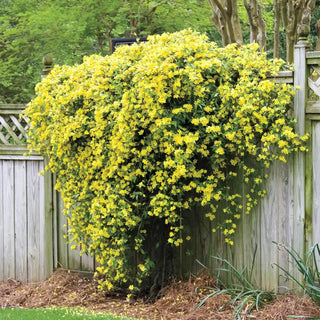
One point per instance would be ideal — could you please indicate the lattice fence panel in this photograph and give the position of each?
(13, 129)
(314, 83)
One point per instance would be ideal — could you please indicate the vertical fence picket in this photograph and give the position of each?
(316, 183)
(285, 218)
(33, 222)
(8, 220)
(269, 228)
(2, 236)
(62, 235)
(46, 223)
(20, 213)
(74, 258)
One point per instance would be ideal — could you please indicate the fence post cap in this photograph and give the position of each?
(303, 34)
(47, 61)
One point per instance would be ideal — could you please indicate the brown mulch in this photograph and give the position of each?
(178, 301)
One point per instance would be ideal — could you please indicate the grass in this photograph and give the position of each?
(55, 314)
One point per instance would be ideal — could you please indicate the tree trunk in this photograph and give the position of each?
(230, 21)
(251, 8)
(217, 21)
(100, 41)
(108, 33)
(225, 17)
(290, 49)
(276, 29)
(294, 14)
(236, 22)
(257, 23)
(318, 35)
(262, 35)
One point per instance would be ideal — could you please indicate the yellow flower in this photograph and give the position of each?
(220, 150)
(142, 267)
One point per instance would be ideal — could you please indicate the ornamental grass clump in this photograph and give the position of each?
(245, 295)
(141, 137)
(308, 270)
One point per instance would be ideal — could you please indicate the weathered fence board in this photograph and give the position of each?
(68, 258)
(8, 212)
(286, 216)
(23, 242)
(20, 205)
(34, 224)
(269, 213)
(2, 239)
(316, 182)
(62, 253)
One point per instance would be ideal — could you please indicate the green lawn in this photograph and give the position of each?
(55, 314)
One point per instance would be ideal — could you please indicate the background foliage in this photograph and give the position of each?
(141, 137)
(70, 30)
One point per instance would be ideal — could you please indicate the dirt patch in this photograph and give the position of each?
(178, 301)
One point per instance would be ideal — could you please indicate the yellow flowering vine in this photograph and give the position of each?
(140, 138)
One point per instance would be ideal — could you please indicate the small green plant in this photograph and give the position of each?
(244, 294)
(309, 269)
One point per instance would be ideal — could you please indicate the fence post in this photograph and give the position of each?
(48, 64)
(301, 89)
(50, 221)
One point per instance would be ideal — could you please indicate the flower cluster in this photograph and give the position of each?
(153, 131)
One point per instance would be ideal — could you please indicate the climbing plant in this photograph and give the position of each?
(140, 138)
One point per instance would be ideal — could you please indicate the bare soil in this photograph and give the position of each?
(178, 301)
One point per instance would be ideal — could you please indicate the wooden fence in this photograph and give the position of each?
(33, 239)
(32, 227)
(25, 200)
(64, 257)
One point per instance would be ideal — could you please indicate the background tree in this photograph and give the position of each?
(225, 17)
(29, 30)
(288, 14)
(70, 30)
(293, 14)
(257, 23)
(276, 29)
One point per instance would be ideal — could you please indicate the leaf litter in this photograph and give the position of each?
(175, 302)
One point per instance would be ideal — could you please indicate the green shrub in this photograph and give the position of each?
(141, 137)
